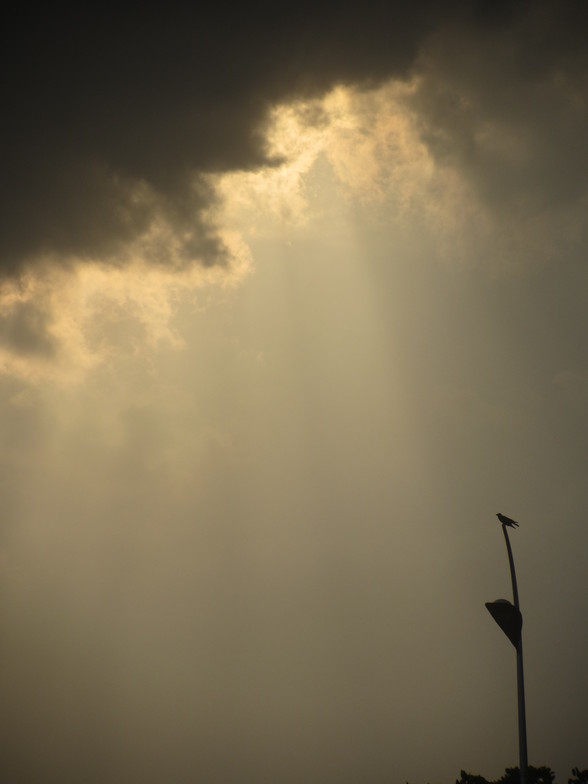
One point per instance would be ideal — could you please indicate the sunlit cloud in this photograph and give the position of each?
(406, 154)
(414, 153)
(62, 320)
(58, 323)
(372, 142)
(369, 138)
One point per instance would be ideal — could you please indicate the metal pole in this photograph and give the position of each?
(523, 765)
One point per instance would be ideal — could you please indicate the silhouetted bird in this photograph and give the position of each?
(507, 521)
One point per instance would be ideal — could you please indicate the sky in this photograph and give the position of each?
(292, 303)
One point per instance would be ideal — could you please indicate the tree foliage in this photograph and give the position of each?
(579, 776)
(541, 775)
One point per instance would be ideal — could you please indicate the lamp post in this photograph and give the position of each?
(508, 617)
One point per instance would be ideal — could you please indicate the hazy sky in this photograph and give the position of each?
(293, 301)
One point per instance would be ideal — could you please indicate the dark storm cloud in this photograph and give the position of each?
(110, 117)
(508, 106)
(114, 119)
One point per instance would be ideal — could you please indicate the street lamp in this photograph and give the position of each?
(508, 617)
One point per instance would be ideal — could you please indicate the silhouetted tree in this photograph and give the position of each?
(470, 778)
(542, 775)
(579, 776)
